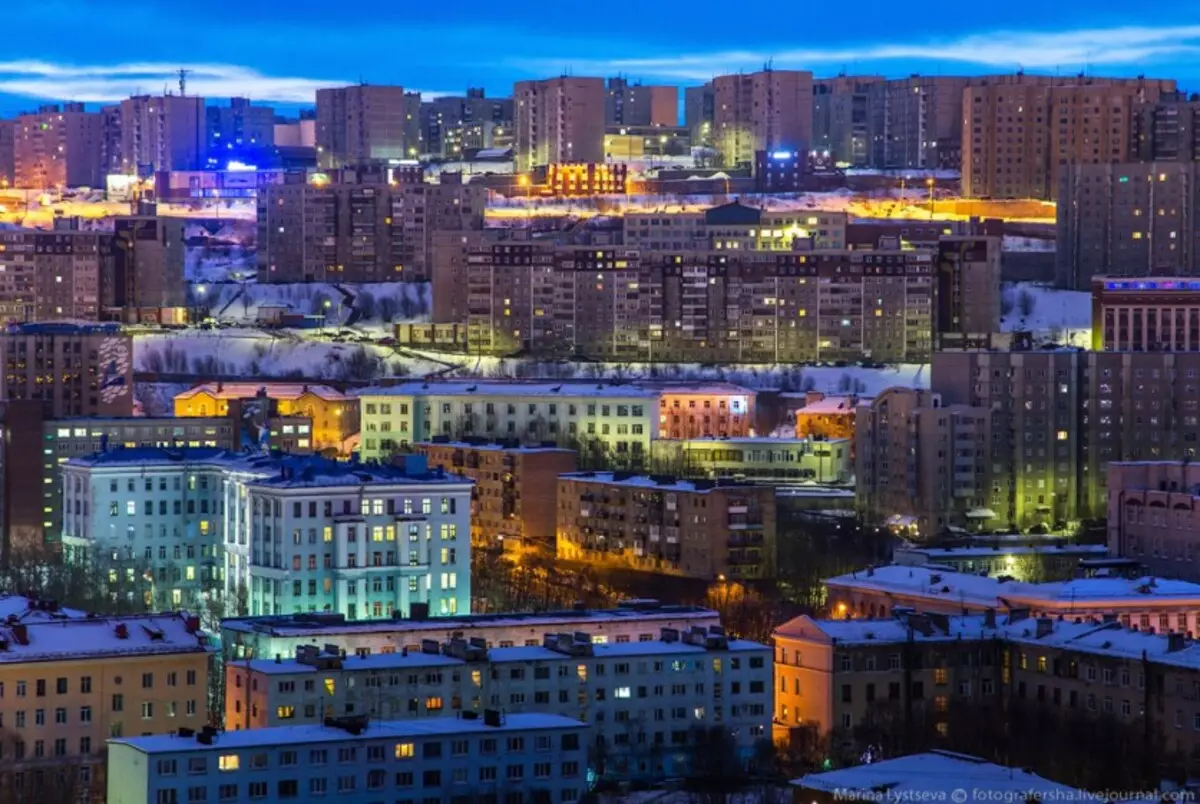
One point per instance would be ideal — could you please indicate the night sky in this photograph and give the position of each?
(281, 50)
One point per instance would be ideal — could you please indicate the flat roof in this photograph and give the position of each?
(832, 405)
(496, 389)
(376, 730)
(649, 482)
(300, 625)
(979, 551)
(274, 390)
(761, 441)
(490, 447)
(100, 637)
(934, 774)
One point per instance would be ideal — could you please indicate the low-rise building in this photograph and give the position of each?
(700, 411)
(533, 757)
(695, 528)
(760, 460)
(599, 421)
(71, 683)
(334, 415)
(827, 416)
(1153, 516)
(1021, 562)
(1146, 314)
(514, 498)
(697, 680)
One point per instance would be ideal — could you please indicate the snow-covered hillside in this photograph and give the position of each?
(1061, 316)
(379, 303)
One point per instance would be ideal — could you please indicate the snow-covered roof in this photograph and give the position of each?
(831, 405)
(490, 447)
(275, 390)
(156, 456)
(581, 391)
(322, 472)
(935, 775)
(32, 609)
(981, 551)
(325, 625)
(648, 482)
(376, 730)
(761, 441)
(668, 387)
(101, 637)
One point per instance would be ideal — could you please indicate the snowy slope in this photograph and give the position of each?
(1062, 316)
(383, 303)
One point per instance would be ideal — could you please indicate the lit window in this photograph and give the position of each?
(228, 762)
(404, 750)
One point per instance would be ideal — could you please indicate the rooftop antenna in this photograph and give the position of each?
(183, 73)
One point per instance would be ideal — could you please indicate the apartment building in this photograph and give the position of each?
(333, 415)
(1150, 516)
(361, 124)
(53, 275)
(613, 420)
(1127, 220)
(916, 122)
(1055, 561)
(241, 132)
(1156, 314)
(1143, 602)
(360, 228)
(1019, 132)
(842, 117)
(162, 132)
(699, 113)
(694, 528)
(1165, 130)
(634, 104)
(76, 370)
(147, 270)
(58, 147)
(765, 459)
(283, 634)
(968, 282)
(445, 759)
(441, 116)
(67, 694)
(8, 170)
(699, 679)
(513, 503)
(769, 110)
(828, 417)
(715, 410)
(919, 463)
(559, 120)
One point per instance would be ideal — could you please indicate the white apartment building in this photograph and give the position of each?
(644, 701)
(362, 541)
(274, 534)
(494, 759)
(621, 419)
(281, 635)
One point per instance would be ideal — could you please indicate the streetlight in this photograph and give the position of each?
(929, 183)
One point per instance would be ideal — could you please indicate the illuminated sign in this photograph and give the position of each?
(781, 155)
(236, 166)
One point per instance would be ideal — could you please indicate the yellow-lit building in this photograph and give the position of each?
(334, 416)
(69, 684)
(567, 179)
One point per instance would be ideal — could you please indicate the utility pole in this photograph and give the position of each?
(183, 73)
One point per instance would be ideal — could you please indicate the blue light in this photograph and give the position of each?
(781, 155)
(236, 166)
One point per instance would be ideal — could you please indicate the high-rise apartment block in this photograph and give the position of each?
(78, 682)
(52, 275)
(361, 228)
(1019, 132)
(1167, 130)
(559, 120)
(694, 528)
(163, 132)
(916, 122)
(361, 124)
(58, 147)
(147, 270)
(8, 170)
(513, 503)
(76, 370)
(1156, 314)
(699, 113)
(1127, 220)
(841, 118)
(441, 117)
(634, 104)
(765, 111)
(239, 132)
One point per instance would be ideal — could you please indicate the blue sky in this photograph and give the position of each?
(282, 50)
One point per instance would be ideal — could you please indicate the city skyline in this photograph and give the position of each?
(266, 51)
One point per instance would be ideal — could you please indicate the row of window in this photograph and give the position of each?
(489, 408)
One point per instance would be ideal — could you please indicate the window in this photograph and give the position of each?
(228, 762)
(404, 751)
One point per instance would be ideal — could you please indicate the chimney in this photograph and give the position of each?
(1175, 642)
(20, 633)
(989, 618)
(1045, 627)
(122, 631)
(192, 624)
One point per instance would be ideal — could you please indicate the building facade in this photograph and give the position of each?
(163, 132)
(916, 122)
(333, 415)
(841, 118)
(360, 124)
(1156, 314)
(767, 459)
(239, 132)
(770, 110)
(52, 275)
(147, 269)
(699, 529)
(1151, 518)
(496, 757)
(633, 104)
(76, 370)
(513, 503)
(58, 147)
(559, 120)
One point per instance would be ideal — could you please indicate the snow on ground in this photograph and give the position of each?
(1016, 243)
(251, 353)
(157, 398)
(381, 303)
(1061, 316)
(218, 265)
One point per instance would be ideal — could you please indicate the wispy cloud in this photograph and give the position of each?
(1007, 50)
(110, 83)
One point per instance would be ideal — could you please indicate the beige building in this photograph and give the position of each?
(8, 172)
(163, 132)
(333, 415)
(71, 684)
(841, 118)
(916, 122)
(764, 111)
(1133, 220)
(699, 529)
(52, 275)
(58, 147)
(1019, 131)
(514, 501)
(634, 104)
(147, 271)
(360, 124)
(559, 120)
(1155, 314)
(1153, 516)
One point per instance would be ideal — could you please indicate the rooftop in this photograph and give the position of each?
(33, 609)
(275, 390)
(495, 389)
(832, 405)
(761, 441)
(301, 625)
(999, 551)
(933, 776)
(491, 447)
(376, 730)
(100, 637)
(657, 482)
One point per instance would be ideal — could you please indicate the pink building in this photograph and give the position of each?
(1154, 515)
